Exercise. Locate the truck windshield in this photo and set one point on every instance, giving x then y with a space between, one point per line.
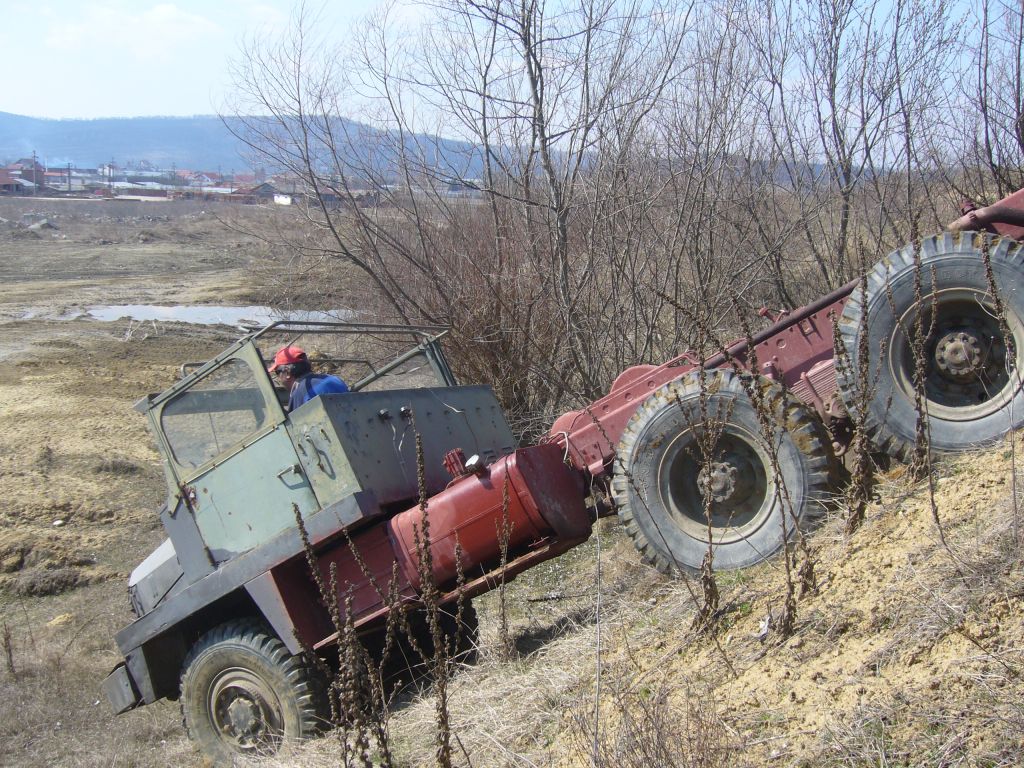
217 412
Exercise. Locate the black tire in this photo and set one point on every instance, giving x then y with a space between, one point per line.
972 388
244 694
657 485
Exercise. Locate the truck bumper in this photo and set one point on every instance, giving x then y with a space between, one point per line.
120 690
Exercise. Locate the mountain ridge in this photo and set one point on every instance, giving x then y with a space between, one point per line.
198 141
207 143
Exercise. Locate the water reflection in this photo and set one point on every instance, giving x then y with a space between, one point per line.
211 315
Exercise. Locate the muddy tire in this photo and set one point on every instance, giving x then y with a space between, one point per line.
244 694
658 484
972 387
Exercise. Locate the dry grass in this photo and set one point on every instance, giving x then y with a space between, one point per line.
903 658
52 712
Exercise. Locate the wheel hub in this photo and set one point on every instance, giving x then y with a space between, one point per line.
242 710
727 481
243 718
958 356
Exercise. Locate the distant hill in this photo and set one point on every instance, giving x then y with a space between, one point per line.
201 142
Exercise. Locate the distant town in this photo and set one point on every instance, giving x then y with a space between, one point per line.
27 177
141 180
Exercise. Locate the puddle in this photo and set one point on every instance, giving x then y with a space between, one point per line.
211 315
39 313
253 316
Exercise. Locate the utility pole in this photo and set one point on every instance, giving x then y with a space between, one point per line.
35 173
69 177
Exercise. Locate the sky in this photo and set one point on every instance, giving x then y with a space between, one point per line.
134 58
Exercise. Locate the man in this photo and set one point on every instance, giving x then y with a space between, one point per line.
293 371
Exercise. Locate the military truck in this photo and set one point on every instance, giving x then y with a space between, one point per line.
227 615
229 619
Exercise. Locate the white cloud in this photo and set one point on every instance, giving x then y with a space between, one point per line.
156 31
91 58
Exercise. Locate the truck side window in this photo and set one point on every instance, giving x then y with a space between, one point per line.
221 410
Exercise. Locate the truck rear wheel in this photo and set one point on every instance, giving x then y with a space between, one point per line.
660 482
972 386
243 693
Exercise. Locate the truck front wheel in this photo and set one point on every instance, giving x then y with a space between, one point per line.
243 693
761 485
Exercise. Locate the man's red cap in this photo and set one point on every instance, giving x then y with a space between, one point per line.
287 356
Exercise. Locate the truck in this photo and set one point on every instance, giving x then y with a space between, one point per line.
409 479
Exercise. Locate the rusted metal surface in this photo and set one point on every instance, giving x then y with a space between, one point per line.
797 351
465 517
364 571
472 587
1004 218
455 463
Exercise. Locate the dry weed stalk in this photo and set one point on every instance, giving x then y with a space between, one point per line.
680 569
707 439
504 531
759 396
8 643
859 492
649 727
355 689
921 464
431 599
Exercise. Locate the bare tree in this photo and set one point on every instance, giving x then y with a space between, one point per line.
993 150
540 175
854 88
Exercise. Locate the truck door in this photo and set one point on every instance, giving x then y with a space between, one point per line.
232 456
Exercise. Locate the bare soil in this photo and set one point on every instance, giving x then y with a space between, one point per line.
79 480
909 652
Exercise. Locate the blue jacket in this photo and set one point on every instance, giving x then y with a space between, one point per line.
313 385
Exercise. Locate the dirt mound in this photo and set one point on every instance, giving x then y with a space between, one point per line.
907 652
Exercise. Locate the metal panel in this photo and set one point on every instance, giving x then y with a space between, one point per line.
320 452
188 543
154 578
246 500
295 615
321 528
119 690
376 432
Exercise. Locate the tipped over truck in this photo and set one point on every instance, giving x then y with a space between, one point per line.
229 620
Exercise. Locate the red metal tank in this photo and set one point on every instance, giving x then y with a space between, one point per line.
545 501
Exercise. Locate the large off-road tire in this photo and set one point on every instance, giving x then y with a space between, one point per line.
244 694
972 387
658 484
